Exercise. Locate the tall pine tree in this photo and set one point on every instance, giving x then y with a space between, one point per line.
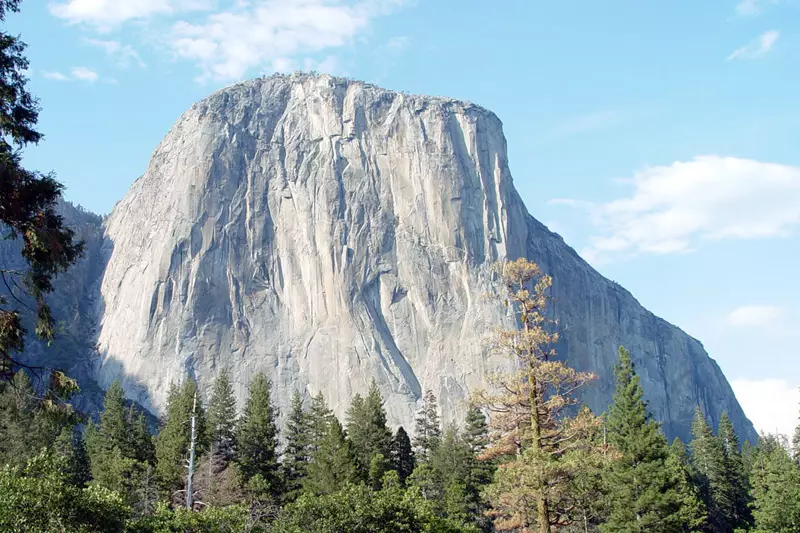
402 454
370 436
257 437
735 478
708 458
775 478
172 442
428 429
644 485
222 420
296 456
332 464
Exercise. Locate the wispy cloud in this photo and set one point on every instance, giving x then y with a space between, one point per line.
771 404
105 15
75 74
752 8
237 37
675 207
124 54
757 47
595 121
756 316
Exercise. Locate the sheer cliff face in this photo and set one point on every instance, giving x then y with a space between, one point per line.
328 232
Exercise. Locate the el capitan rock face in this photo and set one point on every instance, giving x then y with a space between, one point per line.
328 232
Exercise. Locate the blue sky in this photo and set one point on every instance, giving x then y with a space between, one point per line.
659 138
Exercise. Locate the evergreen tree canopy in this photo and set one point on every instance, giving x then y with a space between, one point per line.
319 418
370 436
736 484
402 454
332 464
776 487
172 442
71 450
28 212
644 485
222 418
25 428
428 429
708 458
257 436
296 456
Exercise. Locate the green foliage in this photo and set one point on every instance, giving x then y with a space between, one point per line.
402 455
776 487
644 483
28 211
70 447
39 498
428 429
332 464
296 456
222 419
735 479
257 436
709 458
172 443
25 428
319 419
360 509
231 519
369 435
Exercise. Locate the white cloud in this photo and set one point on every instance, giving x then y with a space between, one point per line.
757 316
757 47
75 74
752 8
227 44
85 74
123 53
239 35
675 207
772 405
57 76
105 15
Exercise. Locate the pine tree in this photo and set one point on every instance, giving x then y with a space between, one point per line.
296 456
172 442
119 446
476 437
332 464
114 424
141 440
708 458
644 487
530 427
370 437
402 454
70 447
319 420
428 430
694 511
735 479
257 437
29 216
776 487
25 428
222 419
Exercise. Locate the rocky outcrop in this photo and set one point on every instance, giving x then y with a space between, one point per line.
329 232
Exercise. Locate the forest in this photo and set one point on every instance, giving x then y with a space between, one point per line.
528 457
539 461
